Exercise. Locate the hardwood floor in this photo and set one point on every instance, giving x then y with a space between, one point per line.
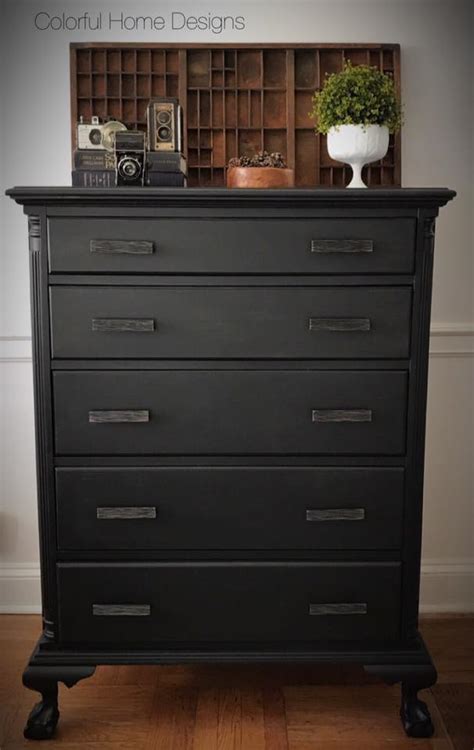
239 707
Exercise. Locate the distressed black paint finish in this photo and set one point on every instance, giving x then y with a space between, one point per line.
230 508
230 322
280 395
44 717
206 602
241 244
183 412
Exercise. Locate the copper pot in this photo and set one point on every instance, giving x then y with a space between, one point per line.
260 177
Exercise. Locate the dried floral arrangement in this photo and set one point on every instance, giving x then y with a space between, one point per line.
261 159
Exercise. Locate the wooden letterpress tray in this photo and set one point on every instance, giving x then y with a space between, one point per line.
237 99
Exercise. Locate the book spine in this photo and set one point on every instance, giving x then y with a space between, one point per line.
93 178
165 179
84 159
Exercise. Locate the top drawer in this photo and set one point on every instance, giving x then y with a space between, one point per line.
231 245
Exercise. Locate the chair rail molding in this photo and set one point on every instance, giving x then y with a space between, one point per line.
15 349
452 340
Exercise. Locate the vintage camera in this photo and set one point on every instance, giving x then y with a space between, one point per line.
130 157
165 124
95 135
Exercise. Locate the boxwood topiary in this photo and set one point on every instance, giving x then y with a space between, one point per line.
358 95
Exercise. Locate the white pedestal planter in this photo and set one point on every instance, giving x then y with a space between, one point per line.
357 145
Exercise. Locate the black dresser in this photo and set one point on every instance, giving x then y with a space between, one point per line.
230 415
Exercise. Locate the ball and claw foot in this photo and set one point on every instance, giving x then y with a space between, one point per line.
415 717
42 721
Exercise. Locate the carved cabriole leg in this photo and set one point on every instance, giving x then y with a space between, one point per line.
44 716
414 712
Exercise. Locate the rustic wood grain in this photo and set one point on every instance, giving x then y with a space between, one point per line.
335 514
338 608
123 325
342 415
113 80
121 610
116 416
339 324
342 246
125 512
253 720
121 247
452 643
207 717
274 709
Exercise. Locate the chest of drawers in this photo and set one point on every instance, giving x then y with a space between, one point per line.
230 406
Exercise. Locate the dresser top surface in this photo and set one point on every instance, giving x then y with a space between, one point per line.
317 197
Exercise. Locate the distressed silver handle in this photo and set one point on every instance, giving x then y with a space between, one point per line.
125 512
335 514
121 610
349 608
115 416
121 247
342 246
339 324
127 325
342 415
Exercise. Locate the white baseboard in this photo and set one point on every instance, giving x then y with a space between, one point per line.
20 590
446 586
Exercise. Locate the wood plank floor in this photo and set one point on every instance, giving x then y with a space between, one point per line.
235 707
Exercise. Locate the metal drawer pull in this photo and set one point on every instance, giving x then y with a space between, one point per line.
342 415
352 608
121 610
124 512
128 325
121 247
339 324
342 246
336 514
114 416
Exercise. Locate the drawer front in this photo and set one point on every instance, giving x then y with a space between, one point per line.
229 508
230 322
230 412
222 245
227 602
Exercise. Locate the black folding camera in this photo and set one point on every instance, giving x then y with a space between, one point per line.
130 157
165 125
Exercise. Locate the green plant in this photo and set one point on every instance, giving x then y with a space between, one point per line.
358 95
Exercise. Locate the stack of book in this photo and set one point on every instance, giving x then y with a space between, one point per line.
93 168
165 169
96 168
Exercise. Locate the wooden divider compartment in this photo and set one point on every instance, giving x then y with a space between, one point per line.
237 99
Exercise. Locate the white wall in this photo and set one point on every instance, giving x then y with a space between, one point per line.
437 143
